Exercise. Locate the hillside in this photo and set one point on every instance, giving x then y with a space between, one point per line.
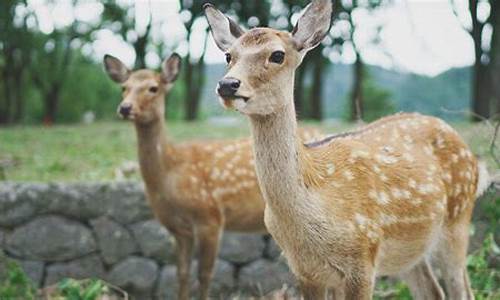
411 92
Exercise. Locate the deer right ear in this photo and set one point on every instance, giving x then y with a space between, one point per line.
224 30
116 69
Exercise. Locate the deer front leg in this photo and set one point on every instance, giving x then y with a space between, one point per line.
208 237
312 291
184 250
359 287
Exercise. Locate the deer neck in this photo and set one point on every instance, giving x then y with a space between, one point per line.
156 154
278 155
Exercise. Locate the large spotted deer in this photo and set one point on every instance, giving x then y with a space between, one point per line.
378 201
195 189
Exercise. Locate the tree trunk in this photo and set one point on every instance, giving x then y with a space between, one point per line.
480 85
357 90
317 84
51 100
195 79
495 57
19 99
299 91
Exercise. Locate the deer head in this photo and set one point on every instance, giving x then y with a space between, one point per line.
262 61
143 90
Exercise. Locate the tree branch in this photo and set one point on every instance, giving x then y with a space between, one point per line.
455 12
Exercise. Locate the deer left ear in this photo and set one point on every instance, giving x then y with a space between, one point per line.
313 25
170 68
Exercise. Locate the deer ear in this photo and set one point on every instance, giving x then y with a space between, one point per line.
313 25
224 30
170 68
116 69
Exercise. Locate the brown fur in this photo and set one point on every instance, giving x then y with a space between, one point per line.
195 189
379 201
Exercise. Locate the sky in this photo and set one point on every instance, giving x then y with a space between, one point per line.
420 36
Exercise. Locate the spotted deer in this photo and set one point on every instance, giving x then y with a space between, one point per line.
195 189
378 201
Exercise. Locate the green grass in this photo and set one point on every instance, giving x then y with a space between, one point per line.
93 152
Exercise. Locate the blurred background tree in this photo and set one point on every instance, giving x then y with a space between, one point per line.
53 74
482 22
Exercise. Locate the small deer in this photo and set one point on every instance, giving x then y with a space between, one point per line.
378 201
195 189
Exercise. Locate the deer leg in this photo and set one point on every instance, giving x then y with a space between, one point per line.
452 254
208 237
422 282
359 287
312 291
184 251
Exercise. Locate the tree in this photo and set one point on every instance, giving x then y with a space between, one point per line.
15 46
495 56
123 17
483 89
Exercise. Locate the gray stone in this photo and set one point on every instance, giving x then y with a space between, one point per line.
137 275
18 202
32 269
273 251
154 241
222 283
264 276
115 241
241 248
86 267
51 238
125 201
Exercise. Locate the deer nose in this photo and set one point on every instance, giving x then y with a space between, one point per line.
125 109
228 87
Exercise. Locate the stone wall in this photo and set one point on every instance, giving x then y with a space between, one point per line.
107 231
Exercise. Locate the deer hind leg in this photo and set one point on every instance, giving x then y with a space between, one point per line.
208 237
185 241
452 254
422 282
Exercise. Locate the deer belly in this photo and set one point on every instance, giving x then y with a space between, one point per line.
396 256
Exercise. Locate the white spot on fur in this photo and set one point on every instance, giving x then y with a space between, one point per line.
412 183
387 159
330 169
408 157
428 150
348 175
383 198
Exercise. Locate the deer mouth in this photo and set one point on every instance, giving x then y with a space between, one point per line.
237 102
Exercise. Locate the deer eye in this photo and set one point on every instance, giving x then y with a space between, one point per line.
228 58
277 57
153 89
124 89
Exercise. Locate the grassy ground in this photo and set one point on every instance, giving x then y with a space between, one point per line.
93 152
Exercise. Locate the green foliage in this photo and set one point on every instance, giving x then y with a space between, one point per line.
16 284
484 280
72 289
378 102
